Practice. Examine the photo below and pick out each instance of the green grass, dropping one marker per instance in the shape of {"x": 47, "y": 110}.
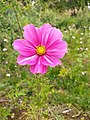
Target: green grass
{"x": 33, "y": 97}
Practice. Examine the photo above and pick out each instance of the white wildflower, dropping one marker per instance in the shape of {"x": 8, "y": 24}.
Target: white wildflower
{"x": 6, "y": 62}
{"x": 73, "y": 37}
{"x": 88, "y": 6}
{"x": 73, "y": 25}
{"x": 4, "y": 49}
{"x": 86, "y": 49}
{"x": 69, "y": 26}
{"x": 84, "y": 72}
{"x": 21, "y": 101}
{"x": 70, "y": 29}
{"x": 13, "y": 115}
{"x": 81, "y": 38}
{"x": 66, "y": 31}
{"x": 81, "y": 42}
{"x": 85, "y": 27}
{"x": 8, "y": 75}
{"x": 5, "y": 40}
{"x": 33, "y": 2}
{"x": 81, "y": 33}
{"x": 80, "y": 48}
{"x": 15, "y": 65}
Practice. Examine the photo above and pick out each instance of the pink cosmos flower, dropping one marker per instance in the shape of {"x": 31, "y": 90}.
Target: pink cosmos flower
{"x": 40, "y": 48}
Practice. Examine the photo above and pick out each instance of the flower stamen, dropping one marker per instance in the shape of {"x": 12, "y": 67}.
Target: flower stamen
{"x": 40, "y": 50}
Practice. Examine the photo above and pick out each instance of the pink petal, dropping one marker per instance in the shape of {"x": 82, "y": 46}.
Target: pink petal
{"x": 50, "y": 61}
{"x": 23, "y": 60}
{"x": 57, "y": 49}
{"x": 57, "y": 44}
{"x": 24, "y": 47}
{"x": 38, "y": 67}
{"x": 51, "y": 35}
{"x": 45, "y": 27}
{"x": 32, "y": 34}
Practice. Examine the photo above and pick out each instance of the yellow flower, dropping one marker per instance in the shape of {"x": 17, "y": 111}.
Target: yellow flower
{"x": 63, "y": 72}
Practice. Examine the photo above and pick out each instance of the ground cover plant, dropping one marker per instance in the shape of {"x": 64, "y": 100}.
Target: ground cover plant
{"x": 63, "y": 93}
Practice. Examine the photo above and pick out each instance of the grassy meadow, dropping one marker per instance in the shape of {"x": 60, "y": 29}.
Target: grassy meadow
{"x": 63, "y": 93}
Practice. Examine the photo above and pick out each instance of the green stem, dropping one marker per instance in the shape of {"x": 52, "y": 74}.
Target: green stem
{"x": 17, "y": 18}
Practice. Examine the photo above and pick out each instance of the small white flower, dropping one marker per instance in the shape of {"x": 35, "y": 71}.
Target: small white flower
{"x": 15, "y": 65}
{"x": 69, "y": 26}
{"x": 4, "y": 49}
{"x": 66, "y": 31}
{"x": 86, "y": 49}
{"x": 13, "y": 115}
{"x": 73, "y": 37}
{"x": 80, "y": 48}
{"x": 6, "y": 62}
{"x": 21, "y": 101}
{"x": 81, "y": 42}
{"x": 88, "y": 7}
{"x": 70, "y": 29}
{"x": 81, "y": 38}
{"x": 83, "y": 73}
{"x": 85, "y": 27}
{"x": 5, "y": 40}
{"x": 73, "y": 25}
{"x": 81, "y": 33}
{"x": 8, "y": 75}
{"x": 33, "y": 2}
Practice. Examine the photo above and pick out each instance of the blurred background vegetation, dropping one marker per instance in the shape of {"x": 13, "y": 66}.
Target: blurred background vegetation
{"x": 63, "y": 93}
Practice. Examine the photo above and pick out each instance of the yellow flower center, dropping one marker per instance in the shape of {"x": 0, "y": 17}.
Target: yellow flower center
{"x": 40, "y": 50}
